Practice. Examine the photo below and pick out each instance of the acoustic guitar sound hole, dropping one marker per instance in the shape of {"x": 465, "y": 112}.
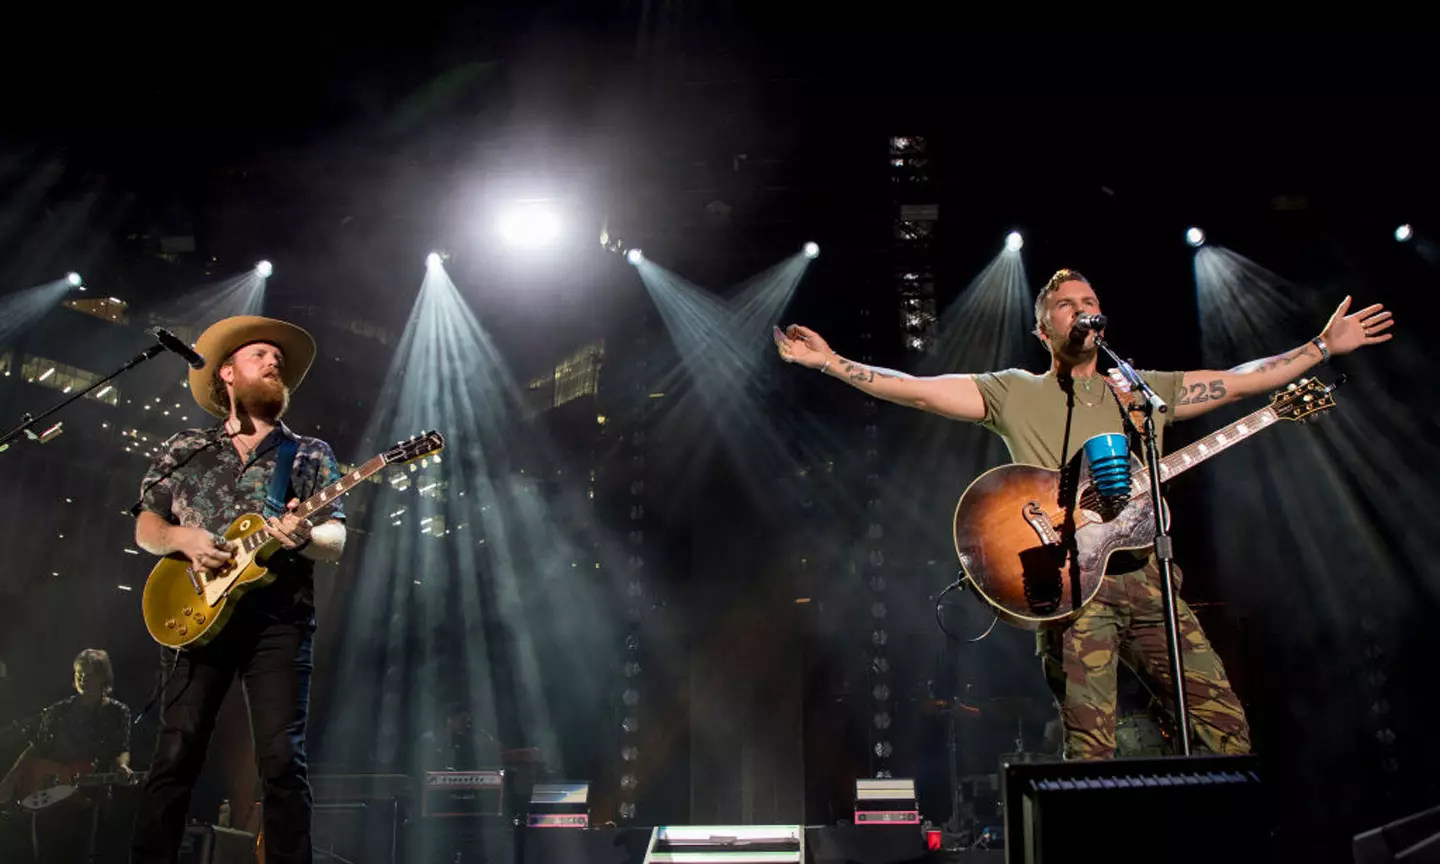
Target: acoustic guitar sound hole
{"x": 1042, "y": 577}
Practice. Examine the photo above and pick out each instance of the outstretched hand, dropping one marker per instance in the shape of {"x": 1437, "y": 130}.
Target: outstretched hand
{"x": 1344, "y": 333}
{"x": 802, "y": 345}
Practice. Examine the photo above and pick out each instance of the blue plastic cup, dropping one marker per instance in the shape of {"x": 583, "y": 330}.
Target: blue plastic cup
{"x": 1109, "y": 458}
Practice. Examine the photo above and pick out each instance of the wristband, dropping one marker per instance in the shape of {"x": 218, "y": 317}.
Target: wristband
{"x": 826, "y": 366}
{"x": 1324, "y": 350}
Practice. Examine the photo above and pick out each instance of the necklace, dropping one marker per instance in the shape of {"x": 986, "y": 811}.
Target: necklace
{"x": 1088, "y": 384}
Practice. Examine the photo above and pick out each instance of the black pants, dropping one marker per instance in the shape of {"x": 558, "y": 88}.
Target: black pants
{"x": 65, "y": 833}
{"x": 272, "y": 656}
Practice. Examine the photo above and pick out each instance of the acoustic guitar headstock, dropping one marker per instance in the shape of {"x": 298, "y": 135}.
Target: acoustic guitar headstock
{"x": 1304, "y": 398}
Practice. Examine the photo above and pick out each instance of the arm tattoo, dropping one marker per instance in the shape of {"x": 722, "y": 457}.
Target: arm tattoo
{"x": 1271, "y": 362}
{"x": 861, "y": 374}
{"x": 1205, "y": 391}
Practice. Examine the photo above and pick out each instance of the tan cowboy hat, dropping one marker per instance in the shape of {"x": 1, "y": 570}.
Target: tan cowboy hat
{"x": 225, "y": 337}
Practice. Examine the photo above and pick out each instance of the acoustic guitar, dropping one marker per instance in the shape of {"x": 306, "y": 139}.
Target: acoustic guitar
{"x": 1033, "y": 542}
{"x": 186, "y": 607}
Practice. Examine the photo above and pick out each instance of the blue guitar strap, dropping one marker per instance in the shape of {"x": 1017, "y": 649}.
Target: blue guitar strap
{"x": 279, "y": 491}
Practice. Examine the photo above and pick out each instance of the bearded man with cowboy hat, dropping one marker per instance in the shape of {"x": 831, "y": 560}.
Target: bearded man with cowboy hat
{"x": 202, "y": 480}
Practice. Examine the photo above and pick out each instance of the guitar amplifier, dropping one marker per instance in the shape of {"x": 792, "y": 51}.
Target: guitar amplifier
{"x": 463, "y": 793}
{"x": 886, "y": 802}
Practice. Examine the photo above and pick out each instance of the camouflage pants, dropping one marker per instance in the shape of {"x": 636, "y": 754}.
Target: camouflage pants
{"x": 1126, "y": 620}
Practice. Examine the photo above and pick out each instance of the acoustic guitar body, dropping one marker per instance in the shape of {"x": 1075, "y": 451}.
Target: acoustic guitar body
{"x": 1031, "y": 556}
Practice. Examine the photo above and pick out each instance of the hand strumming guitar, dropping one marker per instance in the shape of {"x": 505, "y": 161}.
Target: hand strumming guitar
{"x": 802, "y": 345}
{"x": 201, "y": 547}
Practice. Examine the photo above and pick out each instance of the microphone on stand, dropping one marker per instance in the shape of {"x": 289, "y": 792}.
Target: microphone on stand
{"x": 170, "y": 342}
{"x": 1094, "y": 321}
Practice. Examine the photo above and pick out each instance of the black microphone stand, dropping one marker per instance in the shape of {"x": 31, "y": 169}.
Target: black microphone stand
{"x": 1164, "y": 553}
{"x": 27, "y": 421}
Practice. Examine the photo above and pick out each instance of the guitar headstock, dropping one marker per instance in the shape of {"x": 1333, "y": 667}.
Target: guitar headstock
{"x": 1304, "y": 398}
{"x": 414, "y": 447}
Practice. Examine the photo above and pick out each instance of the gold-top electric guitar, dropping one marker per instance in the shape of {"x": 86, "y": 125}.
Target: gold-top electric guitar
{"x": 1034, "y": 541}
{"x": 185, "y": 607}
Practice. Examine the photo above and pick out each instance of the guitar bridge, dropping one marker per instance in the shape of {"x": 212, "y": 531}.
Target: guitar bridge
{"x": 1035, "y": 515}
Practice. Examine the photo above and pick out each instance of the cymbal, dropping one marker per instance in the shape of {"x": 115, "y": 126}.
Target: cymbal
{"x": 949, "y": 706}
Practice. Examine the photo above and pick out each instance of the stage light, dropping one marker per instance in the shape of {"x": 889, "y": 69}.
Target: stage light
{"x": 1403, "y": 233}
{"x": 74, "y": 279}
{"x": 263, "y": 269}
{"x": 635, "y": 256}
{"x": 530, "y": 225}
{"x": 1013, "y": 241}
{"x": 812, "y": 251}
{"x": 433, "y": 259}
{"x": 1195, "y": 237}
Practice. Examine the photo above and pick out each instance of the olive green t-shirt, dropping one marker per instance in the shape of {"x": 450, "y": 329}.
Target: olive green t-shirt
{"x": 1029, "y": 411}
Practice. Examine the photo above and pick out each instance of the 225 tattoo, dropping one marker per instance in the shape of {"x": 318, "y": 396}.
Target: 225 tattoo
{"x": 1203, "y": 392}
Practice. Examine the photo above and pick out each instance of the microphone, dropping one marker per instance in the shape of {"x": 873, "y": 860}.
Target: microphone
{"x": 170, "y": 342}
{"x": 1090, "y": 322}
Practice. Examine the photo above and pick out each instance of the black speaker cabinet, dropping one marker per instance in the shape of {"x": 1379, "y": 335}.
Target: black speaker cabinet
{"x": 1172, "y": 809}
{"x": 1415, "y": 838}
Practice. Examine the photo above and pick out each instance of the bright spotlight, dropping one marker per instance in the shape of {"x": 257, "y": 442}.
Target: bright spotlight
{"x": 812, "y": 251}
{"x": 530, "y": 225}
{"x": 263, "y": 269}
{"x": 1195, "y": 237}
{"x": 74, "y": 279}
{"x": 1403, "y": 233}
{"x": 432, "y": 260}
{"x": 635, "y": 256}
{"x": 1013, "y": 241}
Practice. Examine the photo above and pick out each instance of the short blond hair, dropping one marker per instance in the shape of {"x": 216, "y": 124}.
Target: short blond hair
{"x": 1060, "y": 278}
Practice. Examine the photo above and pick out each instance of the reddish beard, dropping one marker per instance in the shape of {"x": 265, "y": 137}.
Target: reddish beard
{"x": 265, "y": 398}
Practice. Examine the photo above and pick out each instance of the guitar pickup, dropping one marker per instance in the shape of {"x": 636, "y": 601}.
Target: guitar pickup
{"x": 1035, "y": 515}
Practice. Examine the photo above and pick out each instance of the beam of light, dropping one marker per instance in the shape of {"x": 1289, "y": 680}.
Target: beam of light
{"x": 190, "y": 313}
{"x": 264, "y": 269}
{"x": 1404, "y": 233}
{"x": 469, "y": 585}
{"x": 987, "y": 327}
{"x": 811, "y": 251}
{"x": 23, "y": 309}
{"x": 1195, "y": 237}
{"x": 635, "y": 256}
{"x": 1013, "y": 241}
{"x": 716, "y": 396}
{"x": 74, "y": 279}
{"x": 1251, "y": 297}
{"x": 530, "y": 225}
{"x": 1333, "y": 513}
{"x": 433, "y": 259}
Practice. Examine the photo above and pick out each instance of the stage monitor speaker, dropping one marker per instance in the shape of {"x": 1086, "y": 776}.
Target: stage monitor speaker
{"x": 212, "y": 844}
{"x": 718, "y": 844}
{"x": 1172, "y": 809}
{"x": 1412, "y": 839}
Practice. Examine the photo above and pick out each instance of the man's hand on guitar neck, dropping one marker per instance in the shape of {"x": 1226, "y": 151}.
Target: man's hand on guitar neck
{"x": 291, "y": 530}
